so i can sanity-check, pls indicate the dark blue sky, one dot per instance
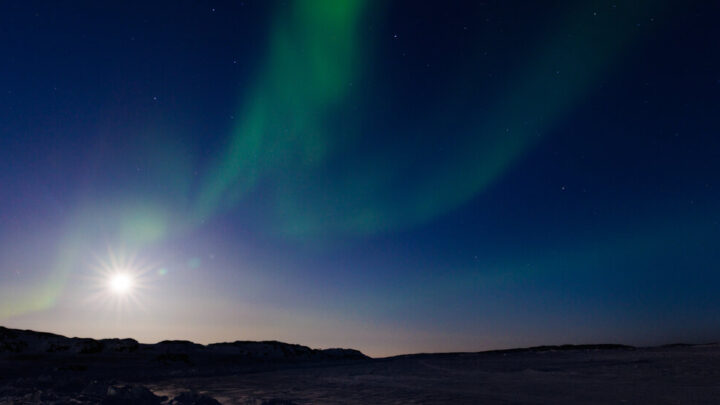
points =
(391, 176)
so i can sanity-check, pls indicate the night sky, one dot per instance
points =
(394, 177)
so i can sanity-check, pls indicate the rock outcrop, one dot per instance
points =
(15, 341)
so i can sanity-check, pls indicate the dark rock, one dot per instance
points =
(72, 367)
(262, 350)
(10, 341)
(120, 345)
(172, 358)
(96, 389)
(193, 398)
(12, 346)
(69, 387)
(58, 347)
(177, 346)
(349, 354)
(131, 394)
(90, 346)
(29, 346)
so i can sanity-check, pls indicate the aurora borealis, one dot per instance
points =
(390, 176)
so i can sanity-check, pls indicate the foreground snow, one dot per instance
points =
(44, 368)
(671, 375)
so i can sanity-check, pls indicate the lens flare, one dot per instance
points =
(120, 283)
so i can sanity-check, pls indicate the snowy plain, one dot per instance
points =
(40, 367)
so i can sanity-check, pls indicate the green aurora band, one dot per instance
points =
(293, 126)
(289, 135)
(313, 55)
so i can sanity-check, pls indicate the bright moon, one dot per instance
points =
(120, 283)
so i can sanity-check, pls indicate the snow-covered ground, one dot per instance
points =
(45, 368)
(673, 375)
